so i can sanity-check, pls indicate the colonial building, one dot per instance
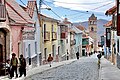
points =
(63, 41)
(77, 40)
(114, 37)
(49, 35)
(5, 34)
(92, 23)
(32, 49)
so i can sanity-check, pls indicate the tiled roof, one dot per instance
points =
(30, 7)
(43, 17)
(16, 13)
(81, 27)
(108, 24)
(111, 10)
(76, 29)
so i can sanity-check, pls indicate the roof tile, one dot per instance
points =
(16, 13)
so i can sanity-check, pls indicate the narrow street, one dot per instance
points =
(82, 69)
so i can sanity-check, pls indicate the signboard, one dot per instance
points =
(108, 34)
(28, 35)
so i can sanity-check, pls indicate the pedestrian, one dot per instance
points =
(22, 66)
(77, 55)
(50, 59)
(13, 65)
(67, 55)
(8, 67)
(99, 56)
(102, 52)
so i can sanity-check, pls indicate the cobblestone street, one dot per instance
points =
(83, 69)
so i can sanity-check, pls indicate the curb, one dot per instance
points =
(3, 77)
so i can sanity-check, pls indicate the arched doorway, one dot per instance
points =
(1, 53)
(4, 44)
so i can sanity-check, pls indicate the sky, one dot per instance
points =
(75, 10)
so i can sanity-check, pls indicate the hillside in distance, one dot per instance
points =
(100, 28)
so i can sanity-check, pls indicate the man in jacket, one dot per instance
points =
(22, 68)
(13, 65)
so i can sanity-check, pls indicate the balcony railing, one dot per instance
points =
(54, 35)
(46, 36)
(2, 13)
(72, 42)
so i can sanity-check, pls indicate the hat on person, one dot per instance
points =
(13, 54)
(21, 55)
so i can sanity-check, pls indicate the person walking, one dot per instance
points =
(13, 65)
(77, 55)
(8, 67)
(22, 66)
(50, 58)
(67, 55)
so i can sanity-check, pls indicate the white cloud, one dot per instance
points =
(85, 5)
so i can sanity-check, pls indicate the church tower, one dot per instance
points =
(92, 23)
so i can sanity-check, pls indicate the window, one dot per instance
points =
(52, 28)
(92, 29)
(53, 50)
(58, 50)
(35, 47)
(66, 40)
(118, 45)
(29, 54)
(45, 53)
(0, 1)
(44, 27)
(44, 30)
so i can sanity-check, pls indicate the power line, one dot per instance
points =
(102, 6)
(36, 10)
(86, 12)
(22, 2)
(27, 7)
(81, 3)
(53, 11)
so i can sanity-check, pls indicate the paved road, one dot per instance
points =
(83, 69)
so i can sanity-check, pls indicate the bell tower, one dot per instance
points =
(92, 23)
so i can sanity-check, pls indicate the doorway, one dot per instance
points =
(1, 53)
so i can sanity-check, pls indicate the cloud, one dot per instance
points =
(85, 5)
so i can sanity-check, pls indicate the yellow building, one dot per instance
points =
(49, 42)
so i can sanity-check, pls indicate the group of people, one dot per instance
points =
(13, 65)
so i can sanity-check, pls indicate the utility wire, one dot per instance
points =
(86, 12)
(27, 7)
(81, 3)
(102, 6)
(22, 2)
(46, 5)
(53, 11)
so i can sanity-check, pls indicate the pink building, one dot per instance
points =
(13, 21)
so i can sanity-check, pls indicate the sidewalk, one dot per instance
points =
(39, 70)
(109, 71)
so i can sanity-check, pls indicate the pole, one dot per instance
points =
(42, 47)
